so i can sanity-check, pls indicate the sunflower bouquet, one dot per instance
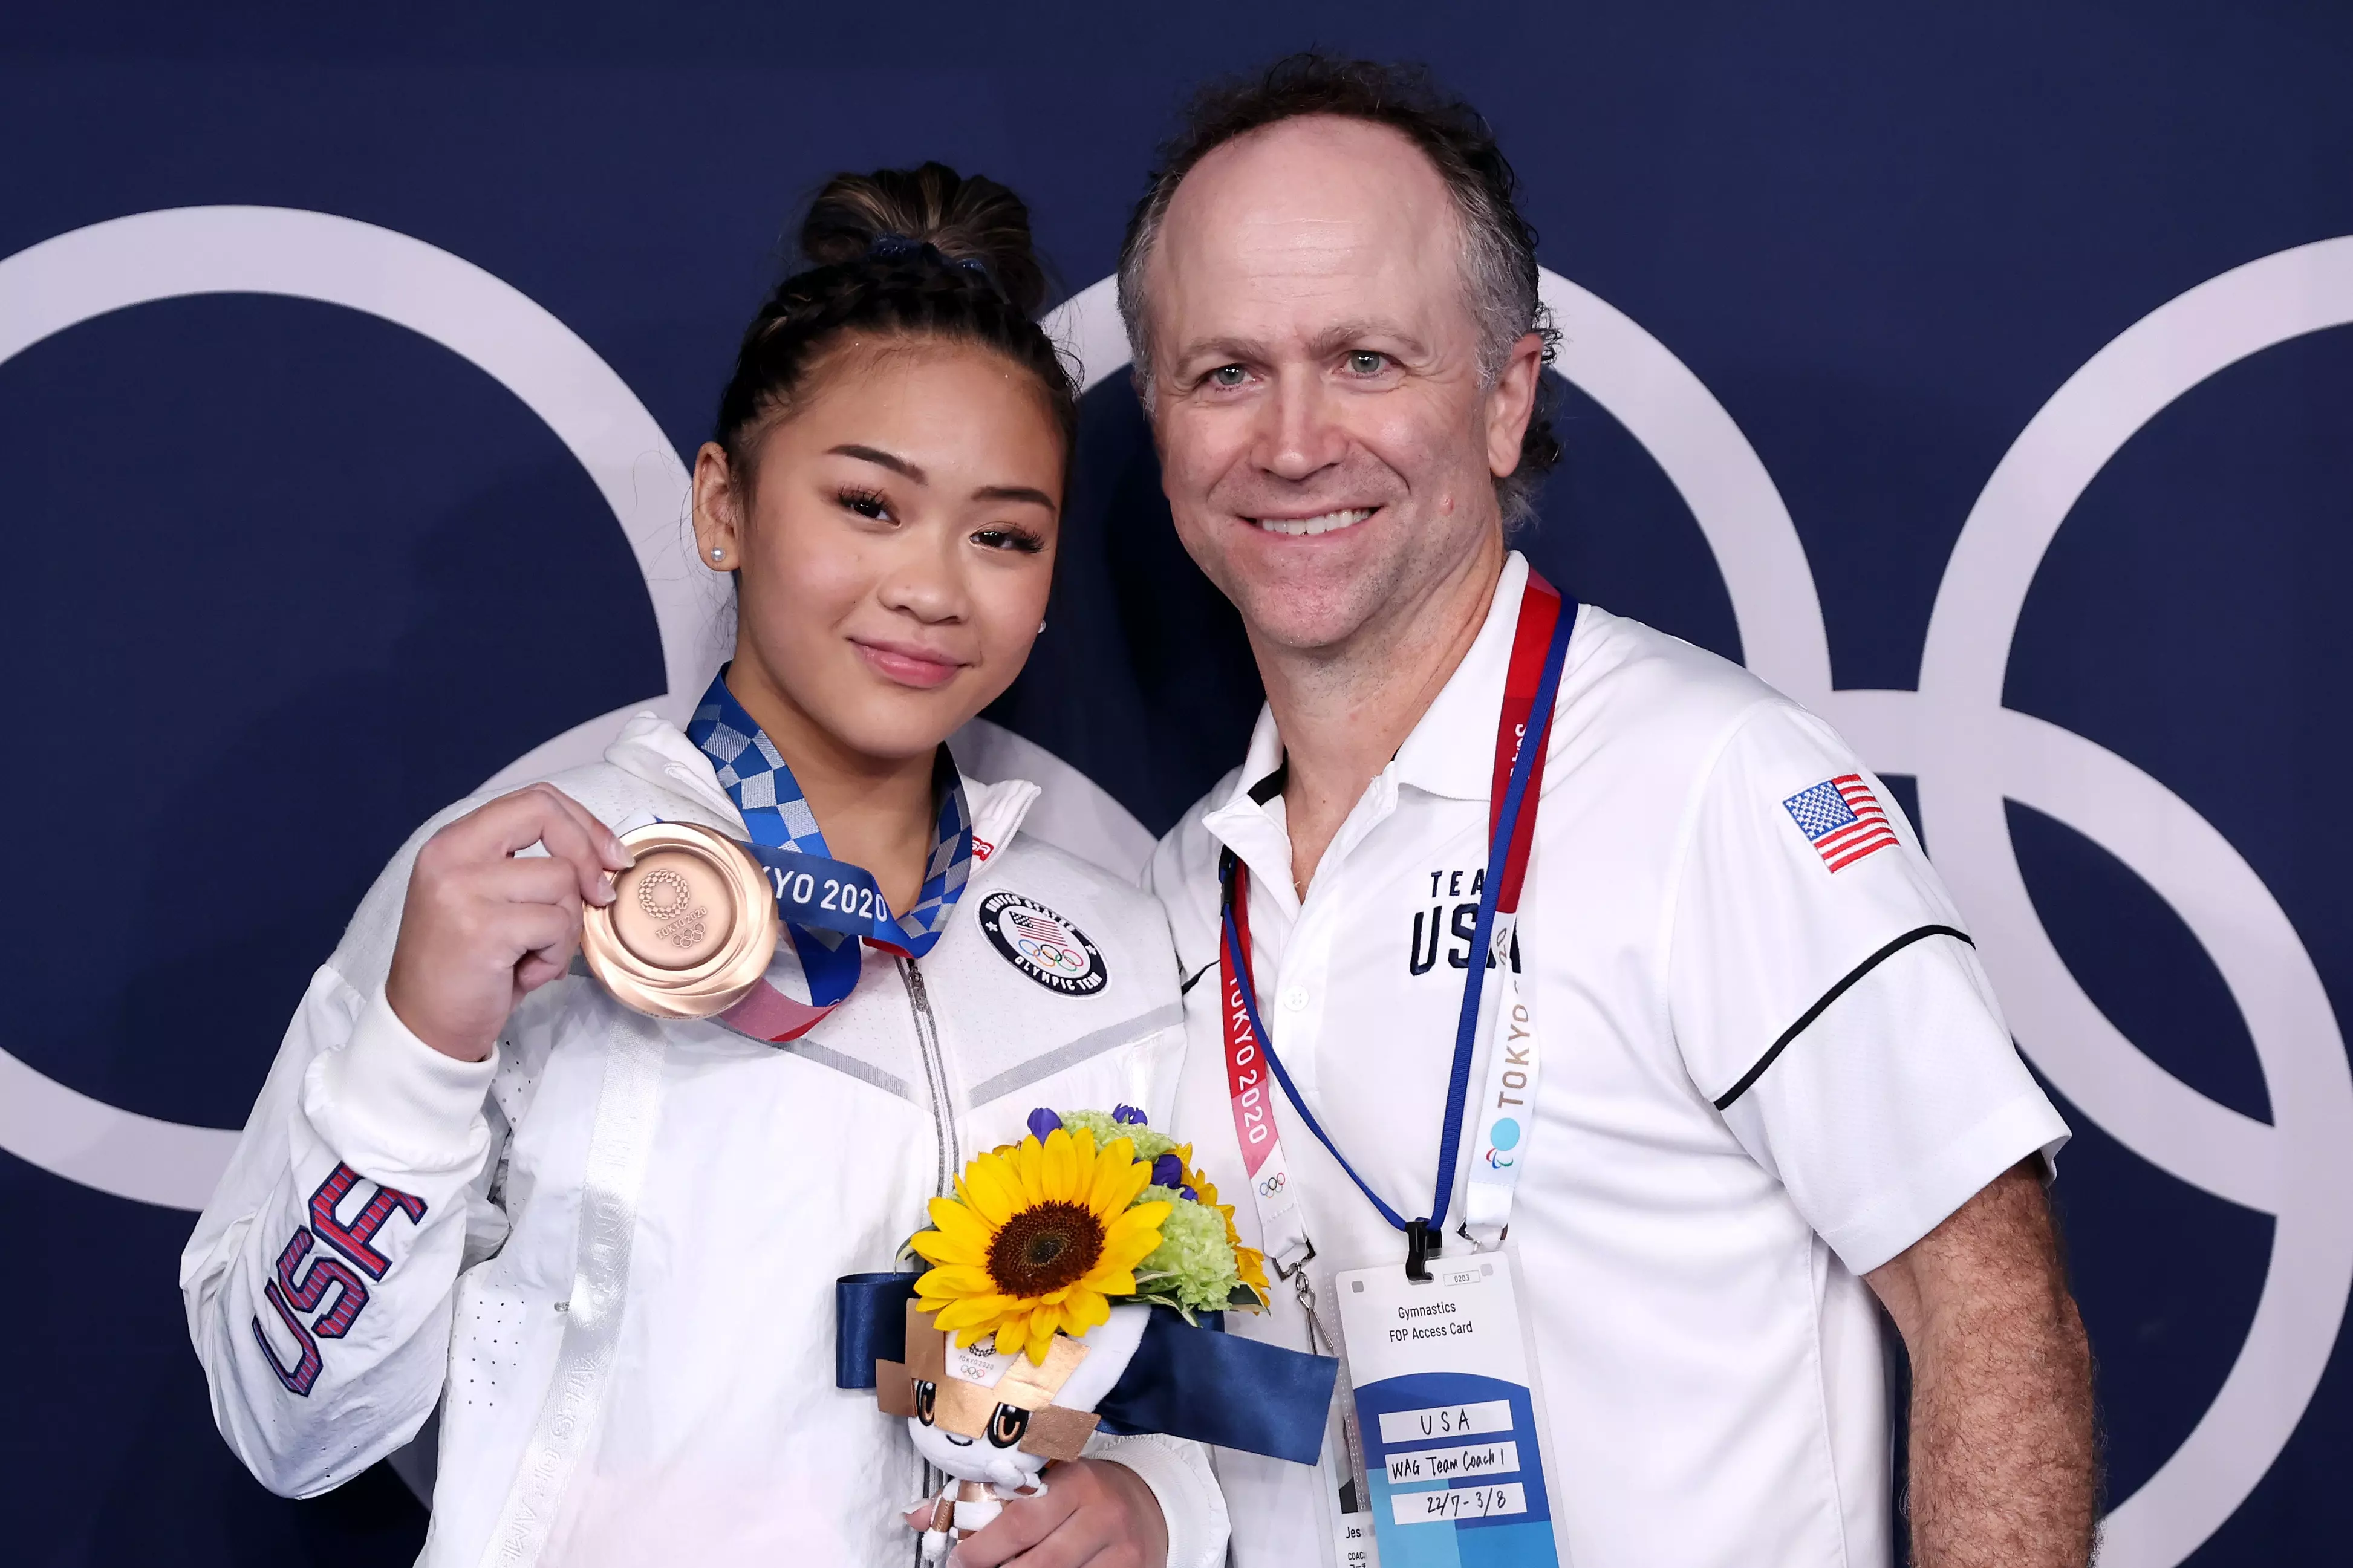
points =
(1091, 1210)
(1060, 1251)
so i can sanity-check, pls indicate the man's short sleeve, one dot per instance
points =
(1826, 997)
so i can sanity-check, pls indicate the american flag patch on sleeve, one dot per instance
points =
(1842, 819)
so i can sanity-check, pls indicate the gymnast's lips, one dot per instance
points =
(908, 664)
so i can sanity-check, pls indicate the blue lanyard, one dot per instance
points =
(1424, 1236)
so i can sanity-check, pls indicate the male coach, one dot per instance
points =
(1756, 1078)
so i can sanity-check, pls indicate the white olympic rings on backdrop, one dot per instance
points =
(181, 251)
(1968, 750)
(1970, 753)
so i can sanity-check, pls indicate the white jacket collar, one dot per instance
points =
(653, 749)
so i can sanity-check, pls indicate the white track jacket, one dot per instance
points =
(607, 1254)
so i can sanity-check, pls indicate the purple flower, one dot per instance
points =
(1127, 1113)
(1190, 1195)
(1168, 1170)
(1041, 1123)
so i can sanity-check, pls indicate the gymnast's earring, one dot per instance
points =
(717, 553)
(1042, 628)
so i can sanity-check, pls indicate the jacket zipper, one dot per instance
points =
(936, 1073)
(943, 1138)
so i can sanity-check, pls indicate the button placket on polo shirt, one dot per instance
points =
(1307, 955)
(1297, 1026)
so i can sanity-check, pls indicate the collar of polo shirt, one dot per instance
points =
(1449, 754)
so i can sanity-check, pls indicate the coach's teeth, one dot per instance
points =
(1302, 526)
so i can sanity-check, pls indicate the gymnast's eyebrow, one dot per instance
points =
(1014, 493)
(875, 455)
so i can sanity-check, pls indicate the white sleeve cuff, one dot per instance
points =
(1947, 1178)
(1190, 1503)
(389, 1104)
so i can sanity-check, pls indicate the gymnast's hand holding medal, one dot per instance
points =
(676, 920)
(485, 925)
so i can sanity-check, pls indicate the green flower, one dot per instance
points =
(1150, 1143)
(1193, 1264)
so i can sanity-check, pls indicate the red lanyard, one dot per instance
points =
(1539, 648)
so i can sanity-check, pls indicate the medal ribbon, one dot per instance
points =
(828, 906)
(1531, 685)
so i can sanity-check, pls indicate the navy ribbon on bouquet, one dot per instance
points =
(1192, 1381)
(828, 906)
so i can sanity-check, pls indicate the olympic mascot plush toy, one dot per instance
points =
(990, 1422)
(1095, 1263)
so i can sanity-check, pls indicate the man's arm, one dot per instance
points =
(2003, 1458)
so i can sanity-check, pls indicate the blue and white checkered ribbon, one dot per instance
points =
(825, 903)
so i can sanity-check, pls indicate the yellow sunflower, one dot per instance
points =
(1248, 1261)
(1035, 1239)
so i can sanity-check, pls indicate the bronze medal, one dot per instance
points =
(692, 928)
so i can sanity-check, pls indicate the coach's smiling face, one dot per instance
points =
(1327, 441)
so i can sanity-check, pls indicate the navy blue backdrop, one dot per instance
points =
(282, 574)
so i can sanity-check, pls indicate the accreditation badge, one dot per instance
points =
(1449, 1413)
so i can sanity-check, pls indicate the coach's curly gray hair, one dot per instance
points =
(1499, 248)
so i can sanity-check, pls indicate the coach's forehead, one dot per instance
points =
(1314, 211)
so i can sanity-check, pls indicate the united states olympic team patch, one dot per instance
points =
(1042, 945)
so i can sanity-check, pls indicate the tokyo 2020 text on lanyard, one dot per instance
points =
(1539, 649)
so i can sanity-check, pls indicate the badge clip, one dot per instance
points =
(1421, 1246)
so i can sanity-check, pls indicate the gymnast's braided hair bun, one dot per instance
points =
(898, 253)
(970, 220)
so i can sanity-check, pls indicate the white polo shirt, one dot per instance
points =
(1770, 1063)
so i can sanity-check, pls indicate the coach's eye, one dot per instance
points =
(927, 1401)
(1006, 1427)
(1229, 376)
(1365, 362)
